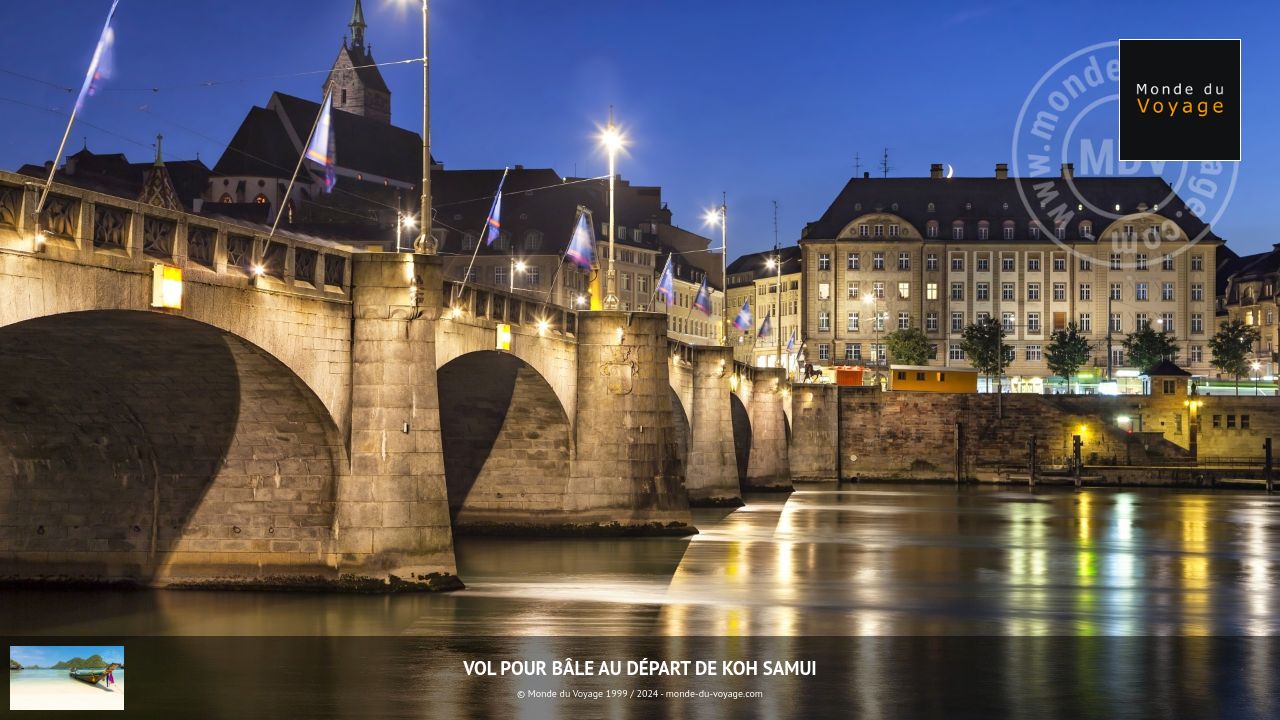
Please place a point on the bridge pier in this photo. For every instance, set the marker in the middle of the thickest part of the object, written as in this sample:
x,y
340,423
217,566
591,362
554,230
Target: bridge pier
x,y
391,524
711,473
625,473
768,467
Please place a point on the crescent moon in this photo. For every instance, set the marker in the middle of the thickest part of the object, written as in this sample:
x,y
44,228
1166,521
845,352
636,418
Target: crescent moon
x,y
950,171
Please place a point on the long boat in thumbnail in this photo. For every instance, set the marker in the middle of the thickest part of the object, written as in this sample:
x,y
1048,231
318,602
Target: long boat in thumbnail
x,y
93,676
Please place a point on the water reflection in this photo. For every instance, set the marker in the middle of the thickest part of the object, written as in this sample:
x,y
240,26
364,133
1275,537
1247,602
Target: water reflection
x,y
827,560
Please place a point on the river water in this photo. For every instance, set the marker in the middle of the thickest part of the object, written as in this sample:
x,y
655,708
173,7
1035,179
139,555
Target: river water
x,y
1151,569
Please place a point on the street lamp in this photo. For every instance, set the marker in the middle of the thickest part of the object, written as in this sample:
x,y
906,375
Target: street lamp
x,y
870,299
407,222
613,141
517,266
720,216
775,263
1257,367
422,244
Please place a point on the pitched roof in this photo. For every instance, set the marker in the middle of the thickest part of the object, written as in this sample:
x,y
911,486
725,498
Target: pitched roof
x,y
972,199
263,146
113,174
366,68
1165,368
755,266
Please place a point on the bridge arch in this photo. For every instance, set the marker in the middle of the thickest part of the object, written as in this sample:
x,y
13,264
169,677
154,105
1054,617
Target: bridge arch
x,y
150,447
507,440
741,435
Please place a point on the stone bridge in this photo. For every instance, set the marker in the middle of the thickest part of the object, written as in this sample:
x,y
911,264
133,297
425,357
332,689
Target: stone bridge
x,y
314,414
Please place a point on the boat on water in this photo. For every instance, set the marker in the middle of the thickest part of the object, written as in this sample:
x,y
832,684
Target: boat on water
x,y
93,676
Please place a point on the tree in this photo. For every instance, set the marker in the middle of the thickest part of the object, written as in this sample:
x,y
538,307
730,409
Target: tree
x,y
983,344
1066,352
1231,346
1147,347
907,347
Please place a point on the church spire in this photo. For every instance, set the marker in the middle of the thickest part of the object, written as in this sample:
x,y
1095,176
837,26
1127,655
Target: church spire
x,y
357,26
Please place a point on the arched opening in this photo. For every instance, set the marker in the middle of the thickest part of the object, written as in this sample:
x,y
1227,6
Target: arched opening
x,y
506,441
741,435
680,429
136,445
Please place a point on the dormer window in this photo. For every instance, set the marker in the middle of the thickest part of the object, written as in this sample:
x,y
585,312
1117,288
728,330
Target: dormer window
x,y
1007,230
984,230
957,230
931,207
1086,229
931,227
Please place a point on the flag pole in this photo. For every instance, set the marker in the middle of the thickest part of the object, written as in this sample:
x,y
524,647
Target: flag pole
x,y
476,250
75,110
301,156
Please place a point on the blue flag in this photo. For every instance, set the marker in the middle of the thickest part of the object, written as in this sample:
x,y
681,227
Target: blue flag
x,y
493,225
743,321
702,300
582,247
320,149
666,284
766,327
100,64
791,341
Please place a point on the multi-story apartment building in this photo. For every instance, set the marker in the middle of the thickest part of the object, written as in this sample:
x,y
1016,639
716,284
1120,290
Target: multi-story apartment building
x,y
754,279
685,322
1249,287
941,253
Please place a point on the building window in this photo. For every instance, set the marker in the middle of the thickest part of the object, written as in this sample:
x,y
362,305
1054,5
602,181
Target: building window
x,y
879,231
1244,422
853,351
1197,263
1166,262
626,282
1197,292
1166,291
1197,354
853,288
1140,291
983,291
1116,290
893,230
824,261
957,230
957,263
1033,322
1142,261
1006,264
904,260
1033,264
824,320
1007,230
1117,357
1033,231
1033,353
1166,323
931,262
1006,291
984,263
1033,291
904,291
1059,291
1061,231
878,321
1059,264
877,289
877,353
1086,322
853,261
1086,264
1008,321
864,231
1140,321
500,275
877,261
1231,421
1086,291
1115,323
1169,386
642,284
904,320
984,230
1115,261
261,199
931,291
824,351
957,322
1086,229
931,322
534,274
824,291
955,352
852,322
957,291
931,229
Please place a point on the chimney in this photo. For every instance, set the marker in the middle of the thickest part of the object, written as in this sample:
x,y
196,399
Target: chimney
x,y
1068,170
1002,171
866,174
935,171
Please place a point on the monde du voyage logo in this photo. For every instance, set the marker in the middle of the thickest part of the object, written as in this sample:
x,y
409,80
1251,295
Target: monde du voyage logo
x,y
1180,100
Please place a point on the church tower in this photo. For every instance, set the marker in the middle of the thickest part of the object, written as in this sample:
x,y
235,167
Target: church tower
x,y
357,84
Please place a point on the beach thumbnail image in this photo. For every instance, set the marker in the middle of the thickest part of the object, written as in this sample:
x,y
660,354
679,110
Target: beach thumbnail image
x,y
66,677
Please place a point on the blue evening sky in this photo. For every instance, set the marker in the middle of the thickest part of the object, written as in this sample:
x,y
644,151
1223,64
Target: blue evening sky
x,y
764,100
50,655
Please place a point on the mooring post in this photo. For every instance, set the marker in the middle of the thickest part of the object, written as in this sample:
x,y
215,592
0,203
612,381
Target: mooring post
x,y
1076,445
1266,467
1031,461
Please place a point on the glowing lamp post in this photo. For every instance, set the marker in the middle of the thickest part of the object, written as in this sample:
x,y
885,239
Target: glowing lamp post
x,y
613,141
775,263
719,216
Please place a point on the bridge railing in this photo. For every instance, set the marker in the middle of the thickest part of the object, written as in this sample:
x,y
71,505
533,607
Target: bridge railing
x,y
487,303
93,228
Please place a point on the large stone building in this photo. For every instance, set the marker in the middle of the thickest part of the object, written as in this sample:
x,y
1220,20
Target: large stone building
x,y
685,322
753,279
1249,294
940,253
